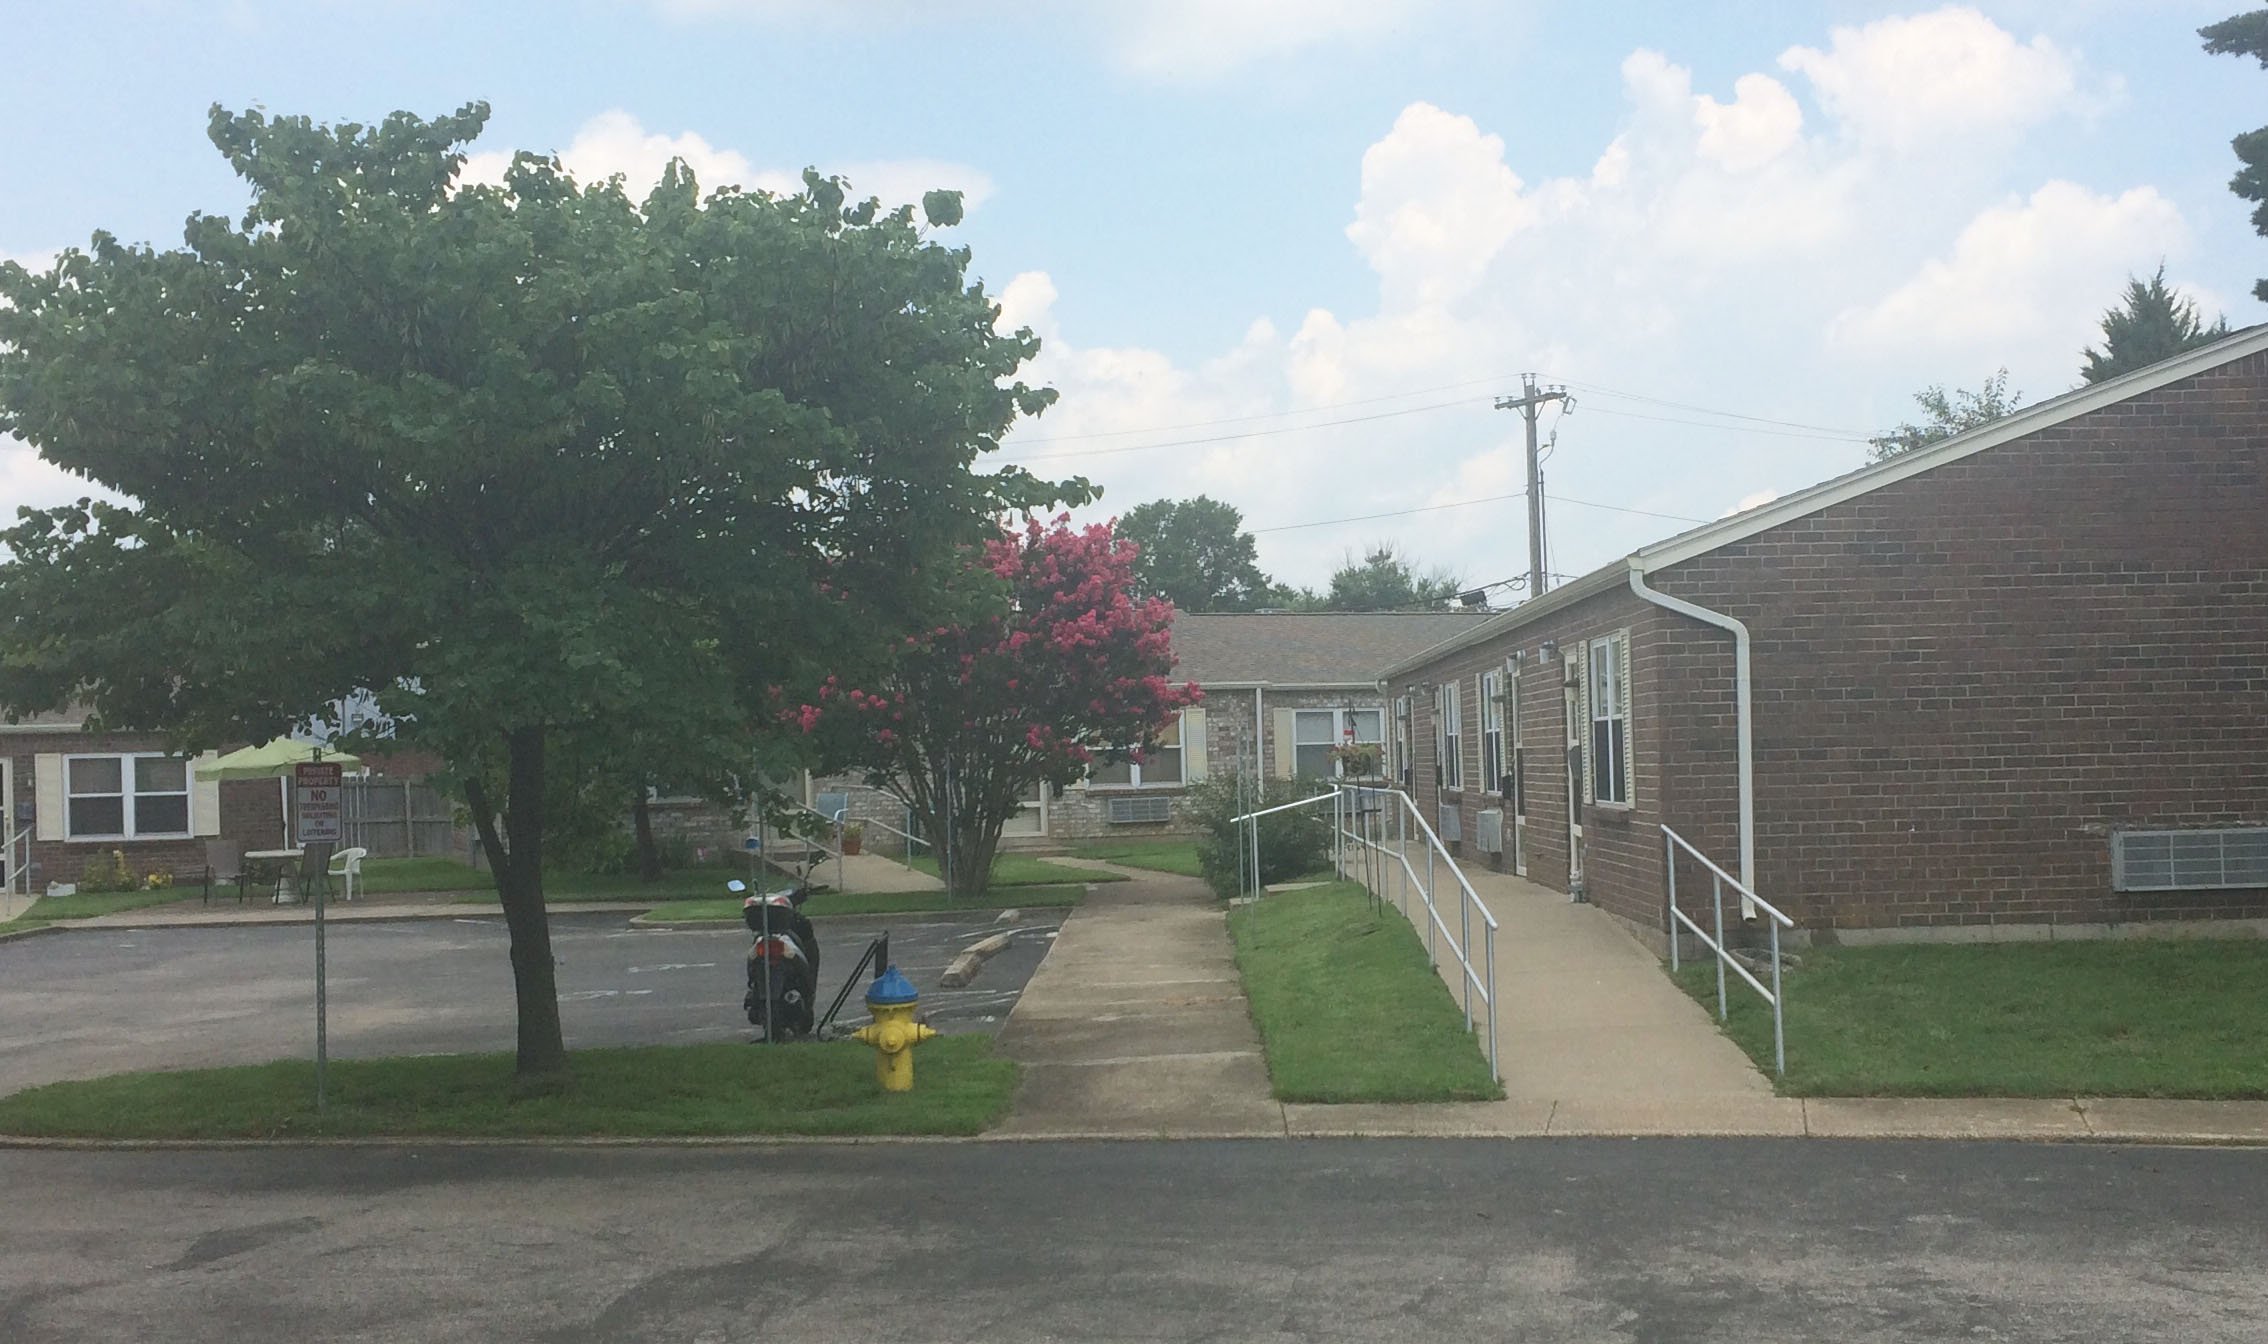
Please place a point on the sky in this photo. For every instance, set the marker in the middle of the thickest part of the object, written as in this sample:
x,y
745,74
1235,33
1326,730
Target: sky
x,y
1288,253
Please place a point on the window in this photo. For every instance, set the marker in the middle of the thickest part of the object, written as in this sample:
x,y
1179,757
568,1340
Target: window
x,y
1492,731
2200,860
1607,693
1517,784
1402,764
1449,737
126,797
1160,766
1315,732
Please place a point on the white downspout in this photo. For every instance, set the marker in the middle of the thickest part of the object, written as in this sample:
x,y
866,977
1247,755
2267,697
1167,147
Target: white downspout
x,y
1743,718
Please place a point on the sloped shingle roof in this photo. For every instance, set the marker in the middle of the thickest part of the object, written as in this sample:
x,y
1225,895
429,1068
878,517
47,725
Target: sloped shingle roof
x,y
1303,648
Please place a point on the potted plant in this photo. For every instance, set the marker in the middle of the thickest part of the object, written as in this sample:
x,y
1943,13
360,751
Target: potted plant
x,y
854,837
1359,760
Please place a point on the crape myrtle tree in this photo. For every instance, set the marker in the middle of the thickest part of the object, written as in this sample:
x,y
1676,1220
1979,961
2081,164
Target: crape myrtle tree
x,y
1049,665
540,464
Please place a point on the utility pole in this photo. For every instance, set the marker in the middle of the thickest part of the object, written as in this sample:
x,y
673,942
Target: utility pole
x,y
1528,404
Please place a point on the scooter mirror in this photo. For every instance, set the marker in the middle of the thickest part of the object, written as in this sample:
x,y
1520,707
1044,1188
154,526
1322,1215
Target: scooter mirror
x,y
736,886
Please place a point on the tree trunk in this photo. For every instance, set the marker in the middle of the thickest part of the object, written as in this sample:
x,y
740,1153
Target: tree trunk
x,y
649,854
519,884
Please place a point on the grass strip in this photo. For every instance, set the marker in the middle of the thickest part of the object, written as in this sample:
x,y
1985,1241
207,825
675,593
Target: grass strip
x,y
961,1087
2125,1018
1347,1007
1161,856
1026,870
45,910
875,903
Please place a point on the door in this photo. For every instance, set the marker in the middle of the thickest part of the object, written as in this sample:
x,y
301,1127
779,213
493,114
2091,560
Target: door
x,y
1571,695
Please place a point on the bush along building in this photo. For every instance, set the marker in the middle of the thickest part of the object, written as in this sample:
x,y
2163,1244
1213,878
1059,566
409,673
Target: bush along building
x,y
2012,685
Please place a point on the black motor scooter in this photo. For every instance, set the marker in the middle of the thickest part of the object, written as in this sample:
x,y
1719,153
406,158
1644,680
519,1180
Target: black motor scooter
x,y
783,962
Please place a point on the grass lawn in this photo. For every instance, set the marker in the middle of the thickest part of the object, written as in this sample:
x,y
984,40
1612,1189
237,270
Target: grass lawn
x,y
1348,1010
2140,1018
475,885
1026,870
1164,856
86,905
878,903
961,1087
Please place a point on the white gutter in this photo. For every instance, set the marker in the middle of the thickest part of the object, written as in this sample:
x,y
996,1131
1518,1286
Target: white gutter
x,y
1259,736
1743,718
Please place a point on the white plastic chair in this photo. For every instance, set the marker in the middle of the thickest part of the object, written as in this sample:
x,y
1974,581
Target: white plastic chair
x,y
346,865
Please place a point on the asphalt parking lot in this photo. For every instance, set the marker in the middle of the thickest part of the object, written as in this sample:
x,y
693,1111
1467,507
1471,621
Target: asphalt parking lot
x,y
91,1002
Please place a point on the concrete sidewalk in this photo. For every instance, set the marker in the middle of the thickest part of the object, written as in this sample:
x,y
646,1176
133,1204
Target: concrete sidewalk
x,y
1136,1025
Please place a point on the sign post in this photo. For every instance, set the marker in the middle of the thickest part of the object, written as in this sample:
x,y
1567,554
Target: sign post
x,y
319,788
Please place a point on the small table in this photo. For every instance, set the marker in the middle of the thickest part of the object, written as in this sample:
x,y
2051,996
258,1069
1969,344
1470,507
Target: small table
x,y
276,867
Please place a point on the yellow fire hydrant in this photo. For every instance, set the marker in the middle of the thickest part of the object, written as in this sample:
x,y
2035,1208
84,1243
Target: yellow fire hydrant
x,y
893,1033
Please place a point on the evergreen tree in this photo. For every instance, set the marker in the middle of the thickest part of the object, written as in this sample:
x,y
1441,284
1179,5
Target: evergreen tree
x,y
2154,324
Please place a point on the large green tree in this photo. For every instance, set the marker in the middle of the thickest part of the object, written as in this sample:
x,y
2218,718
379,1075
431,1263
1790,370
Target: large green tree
x,y
1386,580
2247,35
1946,414
1195,554
539,463
2154,323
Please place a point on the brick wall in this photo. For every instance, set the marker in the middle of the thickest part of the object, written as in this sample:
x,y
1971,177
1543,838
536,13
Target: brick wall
x,y
1965,680
251,812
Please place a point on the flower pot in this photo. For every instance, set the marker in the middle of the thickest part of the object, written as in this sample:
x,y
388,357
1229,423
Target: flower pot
x,y
853,843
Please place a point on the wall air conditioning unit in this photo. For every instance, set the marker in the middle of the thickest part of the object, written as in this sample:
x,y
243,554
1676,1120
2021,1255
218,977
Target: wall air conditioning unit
x,y
1451,823
1130,811
1491,831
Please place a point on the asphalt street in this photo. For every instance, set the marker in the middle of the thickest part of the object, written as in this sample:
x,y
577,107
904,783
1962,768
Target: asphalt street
x,y
1448,1240
90,1002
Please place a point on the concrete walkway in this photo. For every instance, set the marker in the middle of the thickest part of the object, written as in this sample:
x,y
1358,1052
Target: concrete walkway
x,y
1136,1024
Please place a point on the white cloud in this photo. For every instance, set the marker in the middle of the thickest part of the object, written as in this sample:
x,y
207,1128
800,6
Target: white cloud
x,y
1188,40
27,480
615,142
1907,82
1734,247
1438,204
2022,274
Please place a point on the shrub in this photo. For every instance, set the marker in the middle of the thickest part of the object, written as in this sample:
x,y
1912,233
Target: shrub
x,y
1291,843
108,872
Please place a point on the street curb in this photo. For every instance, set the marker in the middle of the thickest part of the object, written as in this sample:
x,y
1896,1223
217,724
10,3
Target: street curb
x,y
26,1143
300,920
11,935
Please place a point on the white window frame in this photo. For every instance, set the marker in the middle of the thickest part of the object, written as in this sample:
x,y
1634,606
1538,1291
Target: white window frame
x,y
1492,731
1134,778
128,794
1451,737
1606,709
1405,769
1340,715
1515,748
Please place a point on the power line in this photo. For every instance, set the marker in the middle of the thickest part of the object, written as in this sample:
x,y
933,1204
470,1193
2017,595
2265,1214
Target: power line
x,y
1468,503
1251,433
1268,415
1707,410
1837,436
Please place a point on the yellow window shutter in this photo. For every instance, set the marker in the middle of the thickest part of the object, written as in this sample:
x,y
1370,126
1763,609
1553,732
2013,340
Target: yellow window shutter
x,y
1193,746
1284,725
47,795
204,798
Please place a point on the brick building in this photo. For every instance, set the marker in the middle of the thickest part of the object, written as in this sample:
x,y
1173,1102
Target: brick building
x,y
2015,683
1281,688
71,796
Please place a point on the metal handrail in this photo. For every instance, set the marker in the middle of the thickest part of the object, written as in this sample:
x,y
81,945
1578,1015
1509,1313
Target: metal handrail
x,y
1719,879
17,870
836,819
1284,807
1460,942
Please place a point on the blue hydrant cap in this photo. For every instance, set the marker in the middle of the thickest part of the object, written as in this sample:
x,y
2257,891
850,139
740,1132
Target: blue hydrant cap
x,y
892,988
